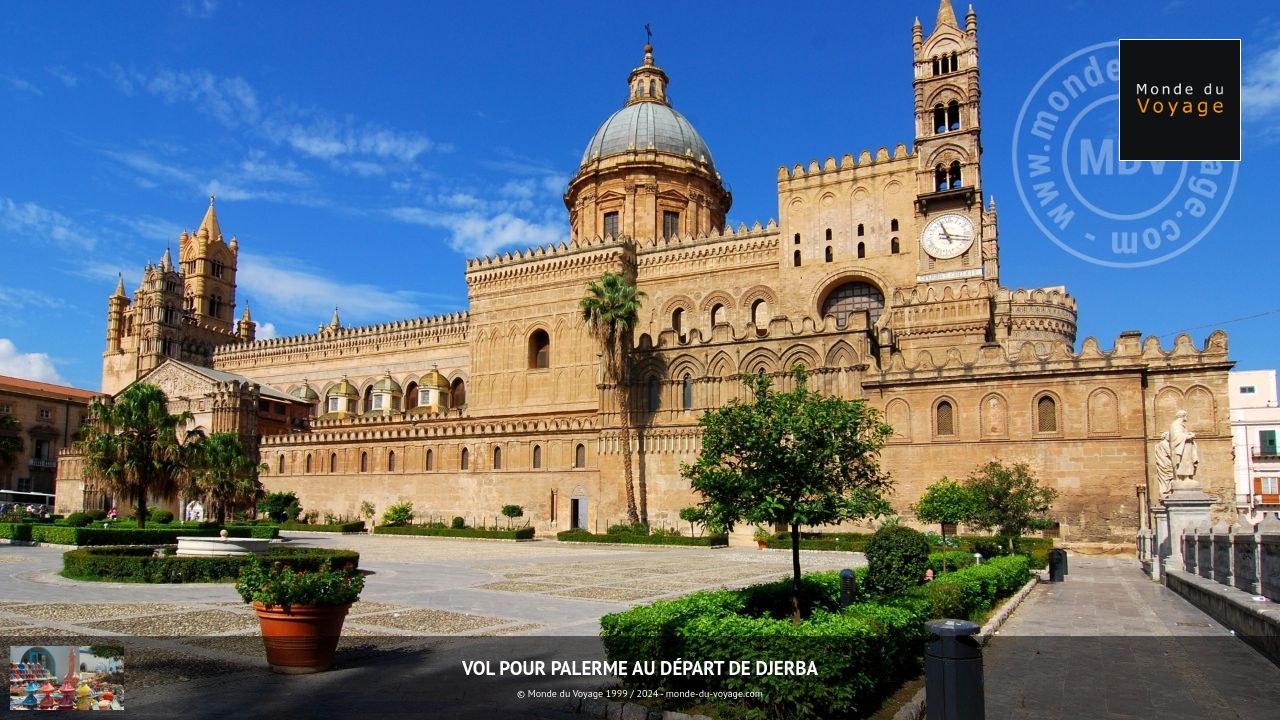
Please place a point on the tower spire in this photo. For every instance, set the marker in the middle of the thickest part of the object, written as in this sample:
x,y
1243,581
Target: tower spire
x,y
119,286
946,16
209,225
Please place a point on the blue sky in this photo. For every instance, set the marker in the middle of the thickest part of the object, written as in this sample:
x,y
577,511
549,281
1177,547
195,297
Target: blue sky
x,y
361,155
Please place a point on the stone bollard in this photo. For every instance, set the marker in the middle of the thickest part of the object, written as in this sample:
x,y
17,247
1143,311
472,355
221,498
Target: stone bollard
x,y
953,671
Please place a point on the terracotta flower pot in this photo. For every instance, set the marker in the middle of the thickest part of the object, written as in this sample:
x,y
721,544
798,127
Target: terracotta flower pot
x,y
301,640
763,544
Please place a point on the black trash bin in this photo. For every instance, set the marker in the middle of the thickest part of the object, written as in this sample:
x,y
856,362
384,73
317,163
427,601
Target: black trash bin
x,y
953,671
1057,565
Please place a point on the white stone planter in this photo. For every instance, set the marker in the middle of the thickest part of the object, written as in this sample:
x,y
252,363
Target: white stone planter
x,y
223,546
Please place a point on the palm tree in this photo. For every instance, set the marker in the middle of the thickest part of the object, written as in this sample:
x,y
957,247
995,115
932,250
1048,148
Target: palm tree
x,y
133,446
611,310
227,474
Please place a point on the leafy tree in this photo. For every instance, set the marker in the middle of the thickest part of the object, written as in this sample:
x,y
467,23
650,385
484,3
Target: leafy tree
x,y
512,512
136,447
227,474
10,440
611,310
398,514
794,457
1010,499
694,516
946,502
280,506
897,557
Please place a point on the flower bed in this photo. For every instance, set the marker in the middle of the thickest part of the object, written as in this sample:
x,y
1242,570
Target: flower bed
x,y
639,539
141,564
524,533
860,654
354,526
164,535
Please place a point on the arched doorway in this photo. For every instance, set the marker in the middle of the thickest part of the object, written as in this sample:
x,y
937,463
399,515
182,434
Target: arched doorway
x,y
853,297
578,509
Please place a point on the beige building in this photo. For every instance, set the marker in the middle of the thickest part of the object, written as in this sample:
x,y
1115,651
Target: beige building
x,y
48,420
881,275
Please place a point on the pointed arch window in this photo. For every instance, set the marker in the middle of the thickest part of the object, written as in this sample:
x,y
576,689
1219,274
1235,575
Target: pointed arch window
x,y
861,230
333,462
677,320
497,458
828,234
364,462
280,465
464,462
829,255
537,457
797,239
760,313
1046,414
940,178
580,456
458,393
953,115
308,462
953,175
862,250
893,225
939,119
411,396
686,392
795,259
429,461
936,66
894,247
368,399
718,315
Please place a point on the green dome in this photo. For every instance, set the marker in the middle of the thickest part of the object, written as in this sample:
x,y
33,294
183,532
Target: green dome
x,y
386,384
344,389
306,393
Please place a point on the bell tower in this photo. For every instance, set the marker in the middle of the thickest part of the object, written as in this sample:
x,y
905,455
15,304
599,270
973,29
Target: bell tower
x,y
209,273
949,148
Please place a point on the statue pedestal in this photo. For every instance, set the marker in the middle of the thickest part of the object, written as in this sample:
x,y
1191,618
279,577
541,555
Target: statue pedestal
x,y
1186,507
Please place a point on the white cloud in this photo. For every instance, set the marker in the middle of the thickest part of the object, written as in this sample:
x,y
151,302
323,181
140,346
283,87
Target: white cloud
x,y
288,287
63,75
28,221
329,139
149,227
266,331
30,366
1260,93
14,299
201,9
24,85
250,179
231,100
475,234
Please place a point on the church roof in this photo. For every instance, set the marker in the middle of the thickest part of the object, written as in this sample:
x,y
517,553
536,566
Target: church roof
x,y
648,122
264,390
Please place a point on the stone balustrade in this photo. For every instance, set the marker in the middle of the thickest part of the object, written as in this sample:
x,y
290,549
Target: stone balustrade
x,y
1243,555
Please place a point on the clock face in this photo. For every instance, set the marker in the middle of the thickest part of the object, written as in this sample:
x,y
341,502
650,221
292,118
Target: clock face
x,y
947,236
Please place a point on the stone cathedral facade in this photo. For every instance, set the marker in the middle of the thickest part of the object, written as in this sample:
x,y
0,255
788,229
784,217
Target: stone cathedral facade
x,y
881,276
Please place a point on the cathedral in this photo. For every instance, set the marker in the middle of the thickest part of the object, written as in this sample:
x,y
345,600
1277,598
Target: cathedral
x,y
881,276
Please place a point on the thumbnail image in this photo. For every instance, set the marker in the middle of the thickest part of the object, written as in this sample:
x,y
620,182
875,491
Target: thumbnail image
x,y
66,677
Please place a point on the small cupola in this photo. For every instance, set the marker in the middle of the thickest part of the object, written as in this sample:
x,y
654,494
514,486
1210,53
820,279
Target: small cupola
x,y
648,82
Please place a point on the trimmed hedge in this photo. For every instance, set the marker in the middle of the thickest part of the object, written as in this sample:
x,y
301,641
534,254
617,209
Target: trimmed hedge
x,y
970,592
83,536
16,531
956,559
862,653
524,533
141,564
1035,548
354,526
638,539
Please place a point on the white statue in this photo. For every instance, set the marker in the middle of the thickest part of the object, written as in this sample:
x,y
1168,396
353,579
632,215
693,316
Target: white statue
x,y
1182,449
1164,466
195,511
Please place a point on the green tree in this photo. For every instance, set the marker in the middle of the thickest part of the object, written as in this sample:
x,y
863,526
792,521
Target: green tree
x,y
796,458
511,512
227,474
280,506
1009,499
946,502
137,448
694,516
611,310
10,440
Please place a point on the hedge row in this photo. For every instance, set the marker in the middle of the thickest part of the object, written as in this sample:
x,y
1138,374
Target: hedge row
x,y
862,653
970,592
1036,548
82,536
354,526
638,539
142,564
524,533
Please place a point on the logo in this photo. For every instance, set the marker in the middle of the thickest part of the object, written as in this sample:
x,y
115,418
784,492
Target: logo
x,y
1082,196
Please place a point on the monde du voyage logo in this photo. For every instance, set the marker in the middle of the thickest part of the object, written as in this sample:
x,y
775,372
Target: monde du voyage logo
x,y
1124,152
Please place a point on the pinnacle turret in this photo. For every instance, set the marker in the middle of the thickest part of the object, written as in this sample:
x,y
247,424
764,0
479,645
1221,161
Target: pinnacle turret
x,y
946,16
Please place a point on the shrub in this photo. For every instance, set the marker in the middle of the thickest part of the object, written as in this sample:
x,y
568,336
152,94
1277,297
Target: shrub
x,y
280,584
398,514
62,535
458,523
20,532
956,559
142,564
77,520
353,526
367,510
163,517
897,557
629,528
438,530
96,515
513,511
846,542
635,539
280,506
992,547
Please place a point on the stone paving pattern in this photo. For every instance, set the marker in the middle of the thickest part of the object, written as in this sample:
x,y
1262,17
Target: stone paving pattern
x,y
1109,643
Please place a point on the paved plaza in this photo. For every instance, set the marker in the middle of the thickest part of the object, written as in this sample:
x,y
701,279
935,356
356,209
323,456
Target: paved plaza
x,y
1105,644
